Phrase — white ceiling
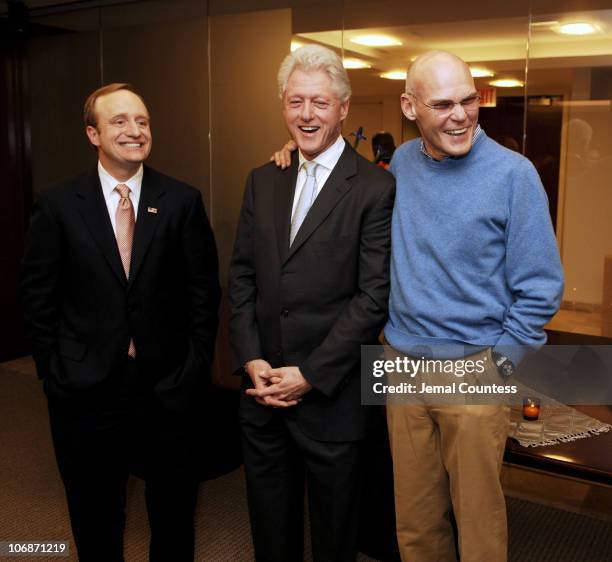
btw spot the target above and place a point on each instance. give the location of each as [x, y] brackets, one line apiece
[497, 44]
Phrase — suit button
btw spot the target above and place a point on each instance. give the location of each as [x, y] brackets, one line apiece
[285, 313]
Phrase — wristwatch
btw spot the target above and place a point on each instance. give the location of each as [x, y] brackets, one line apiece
[505, 367]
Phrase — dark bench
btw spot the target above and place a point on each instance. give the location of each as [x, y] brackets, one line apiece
[589, 459]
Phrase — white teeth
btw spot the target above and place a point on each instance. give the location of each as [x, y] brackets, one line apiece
[456, 131]
[132, 144]
[309, 129]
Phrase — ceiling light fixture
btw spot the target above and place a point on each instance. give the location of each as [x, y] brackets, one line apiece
[507, 83]
[351, 63]
[376, 40]
[577, 28]
[394, 75]
[478, 72]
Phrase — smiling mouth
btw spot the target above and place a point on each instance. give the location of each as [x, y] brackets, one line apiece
[310, 129]
[456, 132]
[132, 144]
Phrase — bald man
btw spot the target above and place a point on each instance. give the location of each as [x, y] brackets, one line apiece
[475, 267]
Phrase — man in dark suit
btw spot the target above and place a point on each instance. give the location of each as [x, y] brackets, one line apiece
[309, 285]
[120, 286]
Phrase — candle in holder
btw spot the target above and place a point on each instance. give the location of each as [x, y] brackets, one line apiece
[531, 408]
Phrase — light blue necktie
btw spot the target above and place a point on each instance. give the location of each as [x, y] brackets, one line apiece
[307, 197]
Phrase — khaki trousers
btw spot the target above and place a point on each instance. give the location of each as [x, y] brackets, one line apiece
[449, 457]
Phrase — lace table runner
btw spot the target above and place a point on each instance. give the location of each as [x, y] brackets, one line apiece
[557, 423]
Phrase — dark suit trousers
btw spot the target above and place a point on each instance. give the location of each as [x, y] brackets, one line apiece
[279, 459]
[103, 435]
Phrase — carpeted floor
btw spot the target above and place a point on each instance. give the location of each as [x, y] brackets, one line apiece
[32, 506]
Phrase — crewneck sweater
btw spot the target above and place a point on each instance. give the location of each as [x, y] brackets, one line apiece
[474, 260]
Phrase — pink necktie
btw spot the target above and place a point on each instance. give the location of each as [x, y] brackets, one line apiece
[124, 222]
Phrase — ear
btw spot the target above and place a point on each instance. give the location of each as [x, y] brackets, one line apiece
[93, 135]
[407, 103]
[344, 109]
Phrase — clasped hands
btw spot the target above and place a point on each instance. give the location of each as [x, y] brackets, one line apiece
[279, 388]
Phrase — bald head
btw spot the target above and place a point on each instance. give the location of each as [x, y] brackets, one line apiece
[436, 67]
[443, 101]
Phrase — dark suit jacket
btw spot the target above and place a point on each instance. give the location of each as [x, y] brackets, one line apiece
[81, 310]
[313, 305]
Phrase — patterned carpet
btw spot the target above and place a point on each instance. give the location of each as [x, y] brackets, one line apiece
[32, 505]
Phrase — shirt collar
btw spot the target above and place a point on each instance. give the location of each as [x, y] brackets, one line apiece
[109, 183]
[329, 157]
[477, 133]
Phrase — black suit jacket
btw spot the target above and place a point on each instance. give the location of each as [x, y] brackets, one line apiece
[313, 305]
[81, 311]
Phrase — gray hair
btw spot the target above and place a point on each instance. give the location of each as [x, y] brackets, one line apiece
[315, 57]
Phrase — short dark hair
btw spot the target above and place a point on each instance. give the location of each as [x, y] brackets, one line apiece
[383, 147]
[89, 113]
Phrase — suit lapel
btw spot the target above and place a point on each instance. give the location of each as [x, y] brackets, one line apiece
[93, 210]
[284, 188]
[335, 188]
[146, 220]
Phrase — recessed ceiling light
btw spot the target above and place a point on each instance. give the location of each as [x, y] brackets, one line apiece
[577, 28]
[507, 83]
[295, 45]
[478, 72]
[394, 75]
[376, 40]
[355, 63]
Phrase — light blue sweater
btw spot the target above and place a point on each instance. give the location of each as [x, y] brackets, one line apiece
[474, 257]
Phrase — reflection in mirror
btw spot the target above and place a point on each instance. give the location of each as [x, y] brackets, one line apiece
[552, 105]
[569, 120]
[378, 58]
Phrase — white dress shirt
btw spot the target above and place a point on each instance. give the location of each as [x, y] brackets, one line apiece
[112, 197]
[326, 161]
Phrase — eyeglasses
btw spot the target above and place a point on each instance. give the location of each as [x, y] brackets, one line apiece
[445, 107]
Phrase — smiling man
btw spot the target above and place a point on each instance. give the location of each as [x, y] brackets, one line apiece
[475, 267]
[447, 126]
[309, 284]
[120, 291]
[117, 124]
